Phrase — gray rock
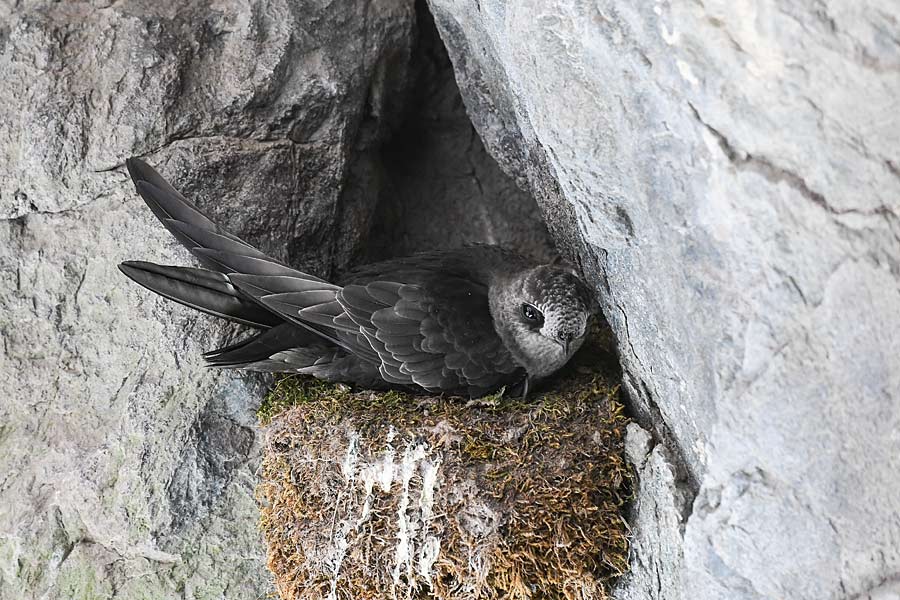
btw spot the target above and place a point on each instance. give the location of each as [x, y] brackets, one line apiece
[127, 467]
[727, 174]
[656, 522]
[439, 188]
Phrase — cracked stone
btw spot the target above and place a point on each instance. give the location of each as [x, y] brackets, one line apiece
[751, 146]
[127, 469]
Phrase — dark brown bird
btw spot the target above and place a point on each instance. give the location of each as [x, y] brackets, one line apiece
[465, 321]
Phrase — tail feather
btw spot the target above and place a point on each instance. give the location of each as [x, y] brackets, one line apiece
[204, 290]
[215, 247]
[196, 237]
[243, 285]
[167, 206]
[264, 346]
[289, 295]
[138, 170]
[287, 348]
[230, 262]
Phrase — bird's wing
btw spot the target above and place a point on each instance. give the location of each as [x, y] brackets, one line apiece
[201, 289]
[310, 304]
[421, 320]
[262, 347]
[420, 325]
[215, 291]
[437, 333]
[288, 348]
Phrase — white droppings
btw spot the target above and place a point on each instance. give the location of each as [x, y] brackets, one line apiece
[368, 485]
[428, 555]
[406, 527]
[340, 551]
[343, 528]
[387, 463]
[429, 479]
[348, 467]
[431, 546]
[417, 549]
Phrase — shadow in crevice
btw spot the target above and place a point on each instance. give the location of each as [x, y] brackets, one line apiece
[437, 185]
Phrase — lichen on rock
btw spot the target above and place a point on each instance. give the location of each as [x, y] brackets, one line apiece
[390, 495]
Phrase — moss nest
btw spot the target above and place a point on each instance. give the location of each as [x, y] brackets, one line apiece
[389, 495]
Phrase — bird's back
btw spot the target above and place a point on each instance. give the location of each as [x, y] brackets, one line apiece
[428, 318]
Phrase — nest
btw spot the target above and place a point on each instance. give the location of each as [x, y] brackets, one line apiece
[387, 495]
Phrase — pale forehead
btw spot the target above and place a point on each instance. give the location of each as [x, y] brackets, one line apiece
[557, 290]
[562, 315]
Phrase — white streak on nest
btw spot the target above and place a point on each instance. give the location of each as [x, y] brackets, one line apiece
[416, 551]
[387, 465]
[431, 546]
[381, 473]
[340, 551]
[406, 526]
[343, 528]
[368, 500]
[368, 475]
[348, 467]
[429, 479]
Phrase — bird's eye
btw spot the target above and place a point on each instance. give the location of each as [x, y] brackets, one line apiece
[531, 313]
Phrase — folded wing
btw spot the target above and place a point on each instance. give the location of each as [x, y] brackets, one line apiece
[408, 322]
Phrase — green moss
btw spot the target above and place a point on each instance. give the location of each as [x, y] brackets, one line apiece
[291, 390]
[78, 580]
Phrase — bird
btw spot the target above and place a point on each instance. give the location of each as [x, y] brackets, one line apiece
[467, 321]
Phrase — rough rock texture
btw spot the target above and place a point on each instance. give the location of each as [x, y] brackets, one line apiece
[728, 173]
[126, 468]
[656, 523]
[439, 187]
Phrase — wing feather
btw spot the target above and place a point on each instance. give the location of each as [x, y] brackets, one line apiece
[422, 320]
[431, 332]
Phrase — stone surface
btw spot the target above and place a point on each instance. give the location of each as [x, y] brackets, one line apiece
[656, 522]
[439, 188]
[128, 469]
[727, 174]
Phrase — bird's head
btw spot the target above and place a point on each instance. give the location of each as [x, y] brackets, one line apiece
[542, 314]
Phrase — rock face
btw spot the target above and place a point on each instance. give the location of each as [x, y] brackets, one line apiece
[437, 185]
[727, 173]
[127, 468]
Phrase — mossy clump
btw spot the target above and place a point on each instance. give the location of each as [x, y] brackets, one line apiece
[388, 495]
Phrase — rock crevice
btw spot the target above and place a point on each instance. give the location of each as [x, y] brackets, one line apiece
[741, 145]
